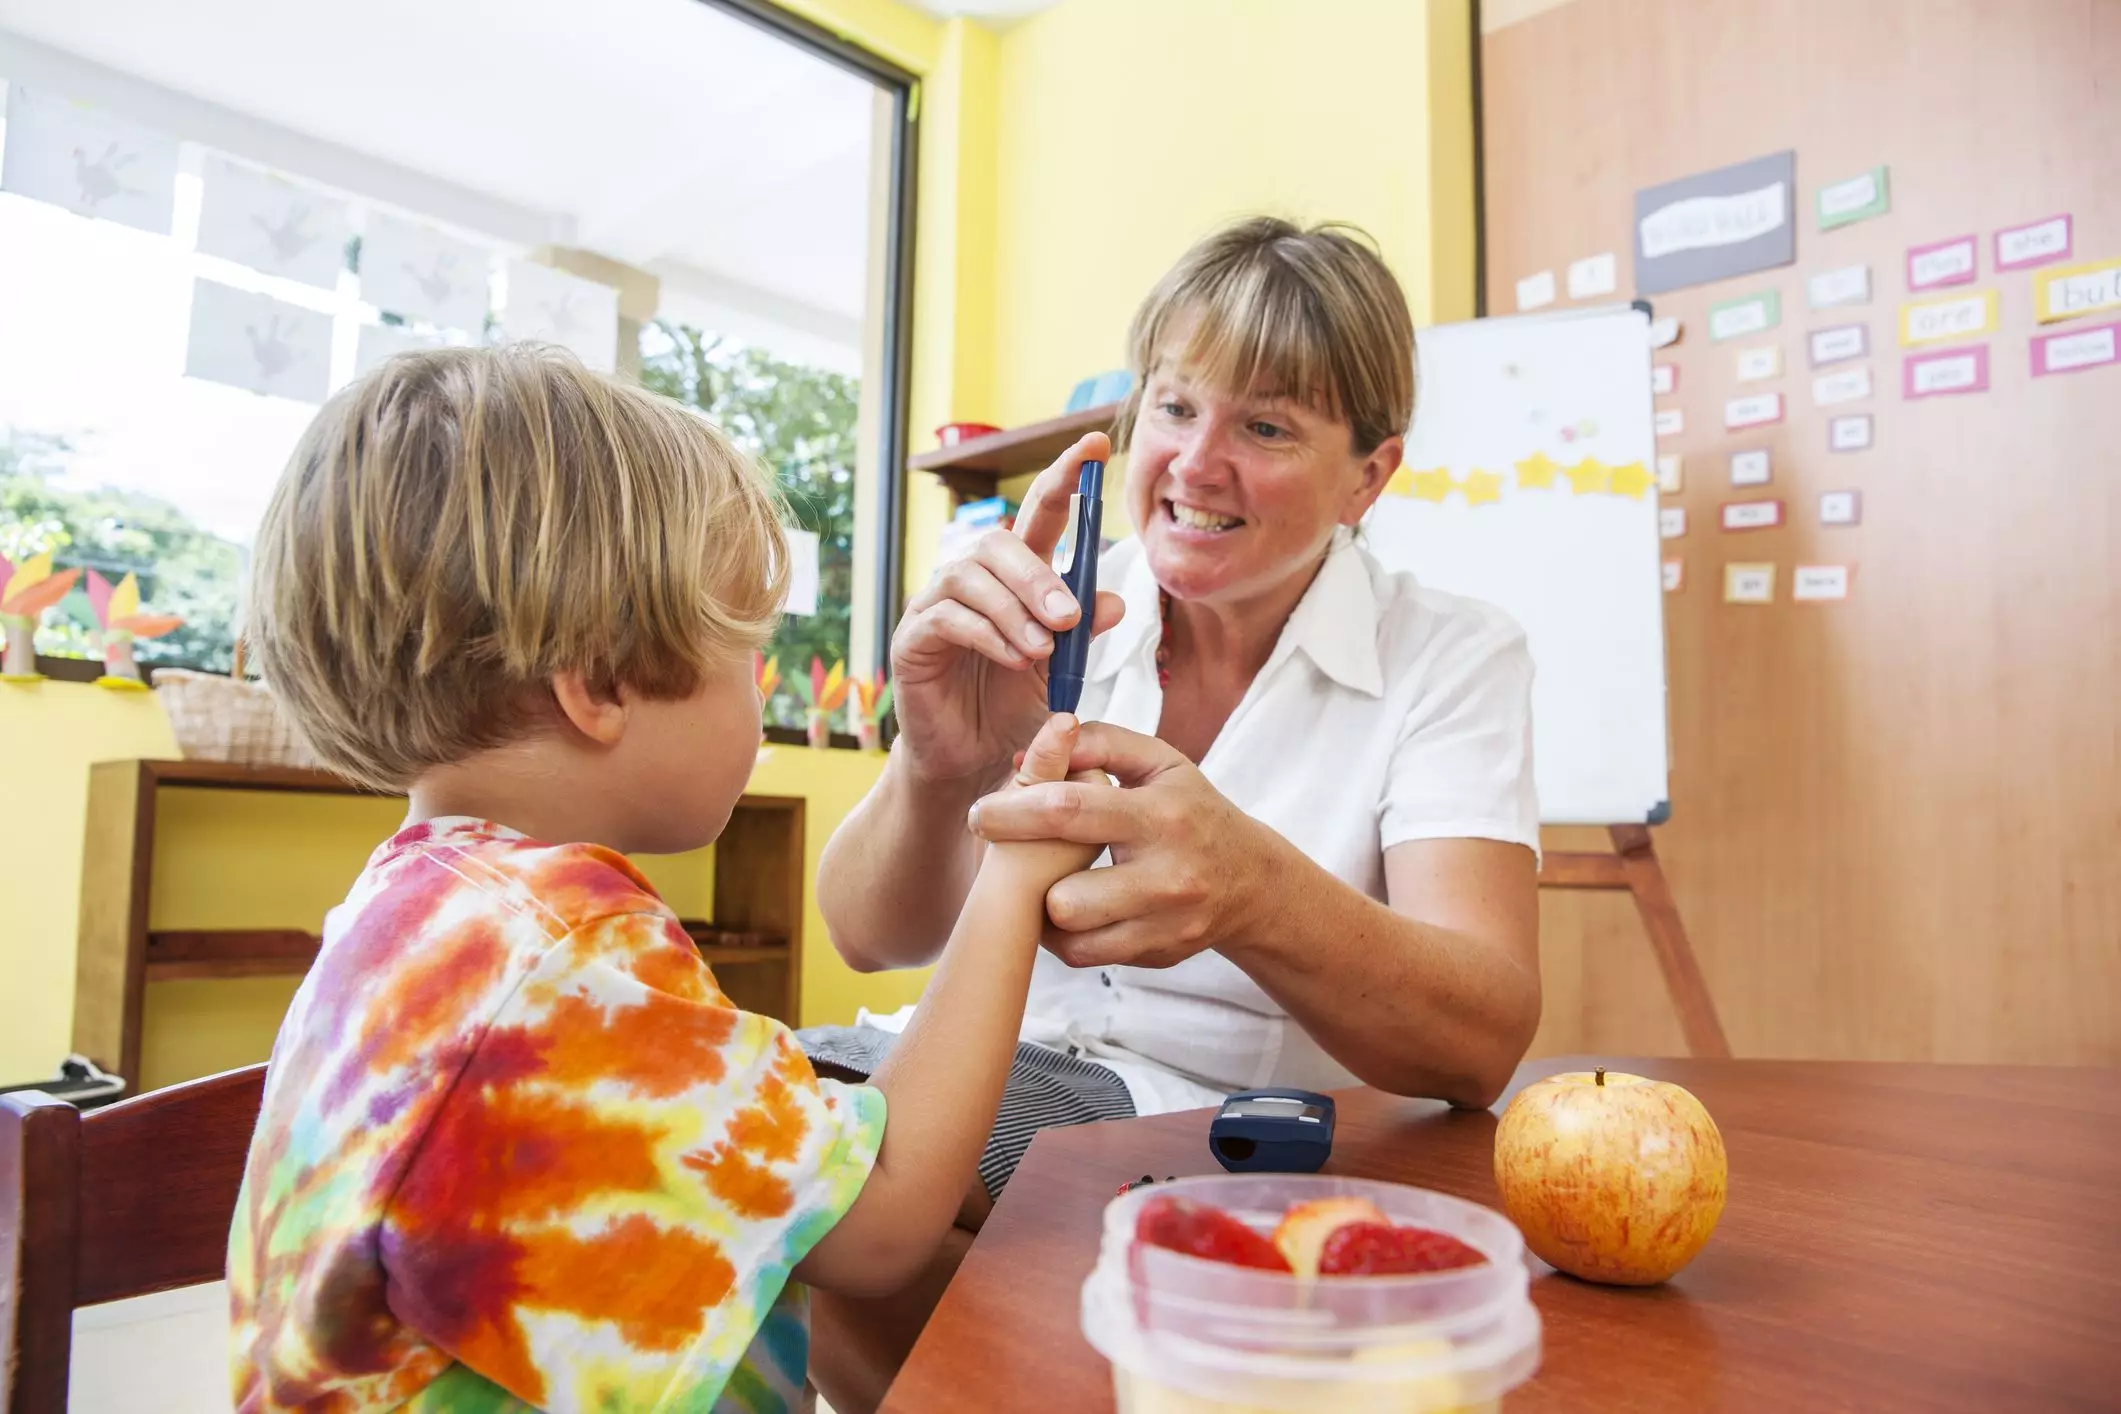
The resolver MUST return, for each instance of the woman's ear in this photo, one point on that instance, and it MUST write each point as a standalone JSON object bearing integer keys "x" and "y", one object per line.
{"x": 1377, "y": 469}
{"x": 600, "y": 716}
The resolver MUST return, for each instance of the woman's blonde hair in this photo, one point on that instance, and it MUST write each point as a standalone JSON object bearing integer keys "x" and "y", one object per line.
{"x": 460, "y": 525}
{"x": 1314, "y": 315}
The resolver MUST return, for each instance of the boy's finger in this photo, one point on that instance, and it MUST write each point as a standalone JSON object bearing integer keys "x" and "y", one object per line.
{"x": 1046, "y": 759}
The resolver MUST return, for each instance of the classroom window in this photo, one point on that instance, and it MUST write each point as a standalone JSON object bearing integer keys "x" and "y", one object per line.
{"x": 713, "y": 201}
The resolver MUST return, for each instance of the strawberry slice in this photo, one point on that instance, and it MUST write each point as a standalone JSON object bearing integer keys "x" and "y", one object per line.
{"x": 1379, "y": 1249}
{"x": 1201, "y": 1231}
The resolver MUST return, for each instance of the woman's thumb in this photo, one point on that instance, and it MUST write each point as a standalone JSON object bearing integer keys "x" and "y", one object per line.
{"x": 1046, "y": 759}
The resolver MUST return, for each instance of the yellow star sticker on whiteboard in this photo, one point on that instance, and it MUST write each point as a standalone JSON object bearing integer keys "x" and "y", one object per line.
{"x": 1433, "y": 485}
{"x": 1482, "y": 487}
{"x": 1589, "y": 476}
{"x": 1402, "y": 482}
{"x": 1630, "y": 481}
{"x": 1536, "y": 472}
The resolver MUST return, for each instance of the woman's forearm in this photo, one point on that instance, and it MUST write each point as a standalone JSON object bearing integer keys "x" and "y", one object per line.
{"x": 893, "y": 877}
{"x": 1410, "y": 1007}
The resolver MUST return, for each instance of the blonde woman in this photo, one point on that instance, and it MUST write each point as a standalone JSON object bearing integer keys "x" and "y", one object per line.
{"x": 1322, "y": 826}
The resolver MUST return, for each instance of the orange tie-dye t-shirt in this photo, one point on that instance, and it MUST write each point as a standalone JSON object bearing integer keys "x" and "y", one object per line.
{"x": 519, "y": 1152}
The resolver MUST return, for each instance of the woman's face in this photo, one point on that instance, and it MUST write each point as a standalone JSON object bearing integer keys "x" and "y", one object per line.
{"x": 1232, "y": 496}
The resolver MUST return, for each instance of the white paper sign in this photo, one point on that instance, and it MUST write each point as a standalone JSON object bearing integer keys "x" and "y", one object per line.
{"x": 1942, "y": 265}
{"x": 1746, "y": 317}
{"x": 1536, "y": 291}
{"x": 1664, "y": 332}
{"x": 1671, "y": 474}
{"x": 2070, "y": 295}
{"x": 1671, "y": 521}
{"x": 1670, "y": 422}
{"x": 1664, "y": 377}
{"x": 1752, "y": 411}
{"x": 422, "y": 273}
{"x": 554, "y": 307}
{"x": 270, "y": 224}
{"x": 1593, "y": 275}
{"x": 1674, "y": 575}
{"x": 1944, "y": 375}
{"x": 1820, "y": 582}
{"x": 1751, "y": 515}
{"x": 802, "y": 572}
{"x": 2031, "y": 245}
{"x": 1703, "y": 221}
{"x": 1749, "y": 584}
{"x": 1763, "y": 362}
{"x": 1851, "y": 195}
{"x": 257, "y": 342}
{"x": 1849, "y": 434}
{"x": 92, "y": 162}
{"x": 1840, "y": 507}
{"x": 1750, "y": 468}
{"x": 1946, "y": 319}
{"x": 1848, "y": 385}
{"x": 377, "y": 342}
{"x": 1844, "y": 342}
{"x": 1851, "y": 284}
{"x": 2067, "y": 351}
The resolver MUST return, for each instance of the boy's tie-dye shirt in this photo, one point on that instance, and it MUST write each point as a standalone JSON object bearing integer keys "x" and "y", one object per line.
{"x": 519, "y": 1152}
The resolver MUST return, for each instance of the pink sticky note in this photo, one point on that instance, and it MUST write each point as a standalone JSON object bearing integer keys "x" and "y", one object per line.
{"x": 2035, "y": 243}
{"x": 1936, "y": 372}
{"x": 2072, "y": 349}
{"x": 1941, "y": 263}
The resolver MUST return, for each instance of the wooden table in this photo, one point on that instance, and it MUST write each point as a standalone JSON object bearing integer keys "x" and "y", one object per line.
{"x": 1898, "y": 1237}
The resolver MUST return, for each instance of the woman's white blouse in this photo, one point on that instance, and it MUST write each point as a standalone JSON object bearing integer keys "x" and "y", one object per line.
{"x": 1387, "y": 713}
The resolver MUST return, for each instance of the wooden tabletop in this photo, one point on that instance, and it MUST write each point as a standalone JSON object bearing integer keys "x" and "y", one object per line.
{"x": 1898, "y": 1237}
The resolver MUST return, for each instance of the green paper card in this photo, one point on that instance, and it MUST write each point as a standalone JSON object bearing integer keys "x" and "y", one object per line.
{"x": 1857, "y": 199}
{"x": 1748, "y": 314}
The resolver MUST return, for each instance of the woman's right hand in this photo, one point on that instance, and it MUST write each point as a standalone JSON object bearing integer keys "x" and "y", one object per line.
{"x": 968, "y": 662}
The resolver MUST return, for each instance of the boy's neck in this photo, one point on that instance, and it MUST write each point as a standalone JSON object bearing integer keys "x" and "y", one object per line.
{"x": 549, "y": 791}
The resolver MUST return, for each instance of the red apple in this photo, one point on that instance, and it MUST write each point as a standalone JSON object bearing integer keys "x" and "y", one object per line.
{"x": 1613, "y": 1178}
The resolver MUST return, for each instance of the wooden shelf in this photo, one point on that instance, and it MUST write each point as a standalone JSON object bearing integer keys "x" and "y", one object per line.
{"x": 194, "y": 954}
{"x": 972, "y": 469}
{"x": 221, "y": 775}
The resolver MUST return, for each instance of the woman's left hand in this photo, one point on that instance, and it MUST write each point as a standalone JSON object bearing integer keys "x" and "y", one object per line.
{"x": 1187, "y": 865}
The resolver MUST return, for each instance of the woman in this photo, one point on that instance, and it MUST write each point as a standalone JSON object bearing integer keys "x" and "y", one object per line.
{"x": 1322, "y": 824}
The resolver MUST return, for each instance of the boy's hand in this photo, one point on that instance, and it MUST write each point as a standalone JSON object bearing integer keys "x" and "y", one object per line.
{"x": 1043, "y": 863}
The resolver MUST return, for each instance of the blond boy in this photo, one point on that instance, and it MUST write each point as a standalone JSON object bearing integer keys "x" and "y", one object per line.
{"x": 518, "y": 1151}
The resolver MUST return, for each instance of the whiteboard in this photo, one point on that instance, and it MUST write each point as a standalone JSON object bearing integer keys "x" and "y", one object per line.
{"x": 1577, "y": 563}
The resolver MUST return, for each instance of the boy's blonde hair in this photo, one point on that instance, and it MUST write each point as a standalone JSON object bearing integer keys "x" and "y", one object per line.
{"x": 462, "y": 524}
{"x": 1314, "y": 315}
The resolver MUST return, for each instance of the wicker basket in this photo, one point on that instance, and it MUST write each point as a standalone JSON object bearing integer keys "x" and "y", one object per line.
{"x": 229, "y": 719}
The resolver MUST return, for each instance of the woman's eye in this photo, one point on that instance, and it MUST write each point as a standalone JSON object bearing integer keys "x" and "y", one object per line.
{"x": 1267, "y": 430}
{"x": 1170, "y": 409}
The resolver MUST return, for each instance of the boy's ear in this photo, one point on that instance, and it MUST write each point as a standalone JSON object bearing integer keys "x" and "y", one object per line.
{"x": 597, "y": 715}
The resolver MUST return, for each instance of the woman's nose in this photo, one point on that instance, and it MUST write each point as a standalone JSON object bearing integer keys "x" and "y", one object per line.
{"x": 1196, "y": 462}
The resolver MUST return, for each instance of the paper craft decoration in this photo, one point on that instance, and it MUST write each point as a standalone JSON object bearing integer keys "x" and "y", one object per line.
{"x": 802, "y": 572}
{"x": 1840, "y": 343}
{"x": 823, "y": 693}
{"x": 1934, "y": 321}
{"x": 1593, "y": 275}
{"x": 1940, "y": 371}
{"x": 1754, "y": 411}
{"x": 1856, "y": 198}
{"x": 1846, "y": 385}
{"x": 414, "y": 270}
{"x": 554, "y": 307}
{"x": 272, "y": 225}
{"x": 1674, "y": 576}
{"x": 26, "y": 591}
{"x": 1751, "y": 515}
{"x": 2040, "y": 243}
{"x": 257, "y": 342}
{"x": 1671, "y": 522}
{"x": 1630, "y": 480}
{"x": 1664, "y": 378}
{"x": 88, "y": 160}
{"x": 766, "y": 672}
{"x": 2070, "y": 290}
{"x": 377, "y": 342}
{"x": 1849, "y": 434}
{"x": 1749, "y": 584}
{"x": 1664, "y": 332}
{"x": 1716, "y": 225}
{"x": 1941, "y": 263}
{"x": 1756, "y": 364}
{"x": 1589, "y": 477}
{"x": 868, "y": 708}
{"x": 1535, "y": 291}
{"x": 1840, "y": 507}
{"x": 1670, "y": 422}
{"x": 1536, "y": 472}
{"x": 1818, "y": 582}
{"x": 1748, "y": 314}
{"x": 122, "y": 621}
{"x": 1751, "y": 467}
{"x": 2076, "y": 349}
{"x": 1671, "y": 474}
{"x": 1851, "y": 284}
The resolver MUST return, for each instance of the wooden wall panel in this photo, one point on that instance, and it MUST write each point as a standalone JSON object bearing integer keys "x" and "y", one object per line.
{"x": 1897, "y": 820}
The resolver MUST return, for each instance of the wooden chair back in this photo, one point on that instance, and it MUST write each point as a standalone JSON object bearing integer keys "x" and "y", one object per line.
{"x": 109, "y": 1204}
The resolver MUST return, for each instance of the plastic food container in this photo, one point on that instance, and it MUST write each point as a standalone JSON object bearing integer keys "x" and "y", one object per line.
{"x": 1189, "y": 1336}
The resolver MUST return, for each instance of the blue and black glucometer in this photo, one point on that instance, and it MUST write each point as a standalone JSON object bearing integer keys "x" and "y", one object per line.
{"x": 1273, "y": 1131}
{"x": 1071, "y": 647}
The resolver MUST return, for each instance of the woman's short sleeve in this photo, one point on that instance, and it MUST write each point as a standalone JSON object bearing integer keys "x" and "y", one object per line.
{"x": 1462, "y": 766}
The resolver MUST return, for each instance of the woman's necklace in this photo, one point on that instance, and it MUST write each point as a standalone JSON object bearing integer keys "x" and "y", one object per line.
{"x": 1163, "y": 642}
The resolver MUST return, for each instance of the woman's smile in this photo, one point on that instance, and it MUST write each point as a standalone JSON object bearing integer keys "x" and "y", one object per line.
{"x": 1192, "y": 520}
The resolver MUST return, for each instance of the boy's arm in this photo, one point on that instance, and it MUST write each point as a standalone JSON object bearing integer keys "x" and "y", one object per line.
{"x": 943, "y": 1081}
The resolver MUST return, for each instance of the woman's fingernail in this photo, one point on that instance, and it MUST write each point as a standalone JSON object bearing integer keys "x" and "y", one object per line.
{"x": 972, "y": 820}
{"x": 1060, "y": 603}
{"x": 1037, "y": 637}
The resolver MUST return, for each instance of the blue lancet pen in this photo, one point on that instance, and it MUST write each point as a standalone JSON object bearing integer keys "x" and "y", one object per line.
{"x": 1071, "y": 648}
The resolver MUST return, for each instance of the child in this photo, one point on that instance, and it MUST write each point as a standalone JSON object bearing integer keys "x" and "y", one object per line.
{"x": 517, "y": 1149}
